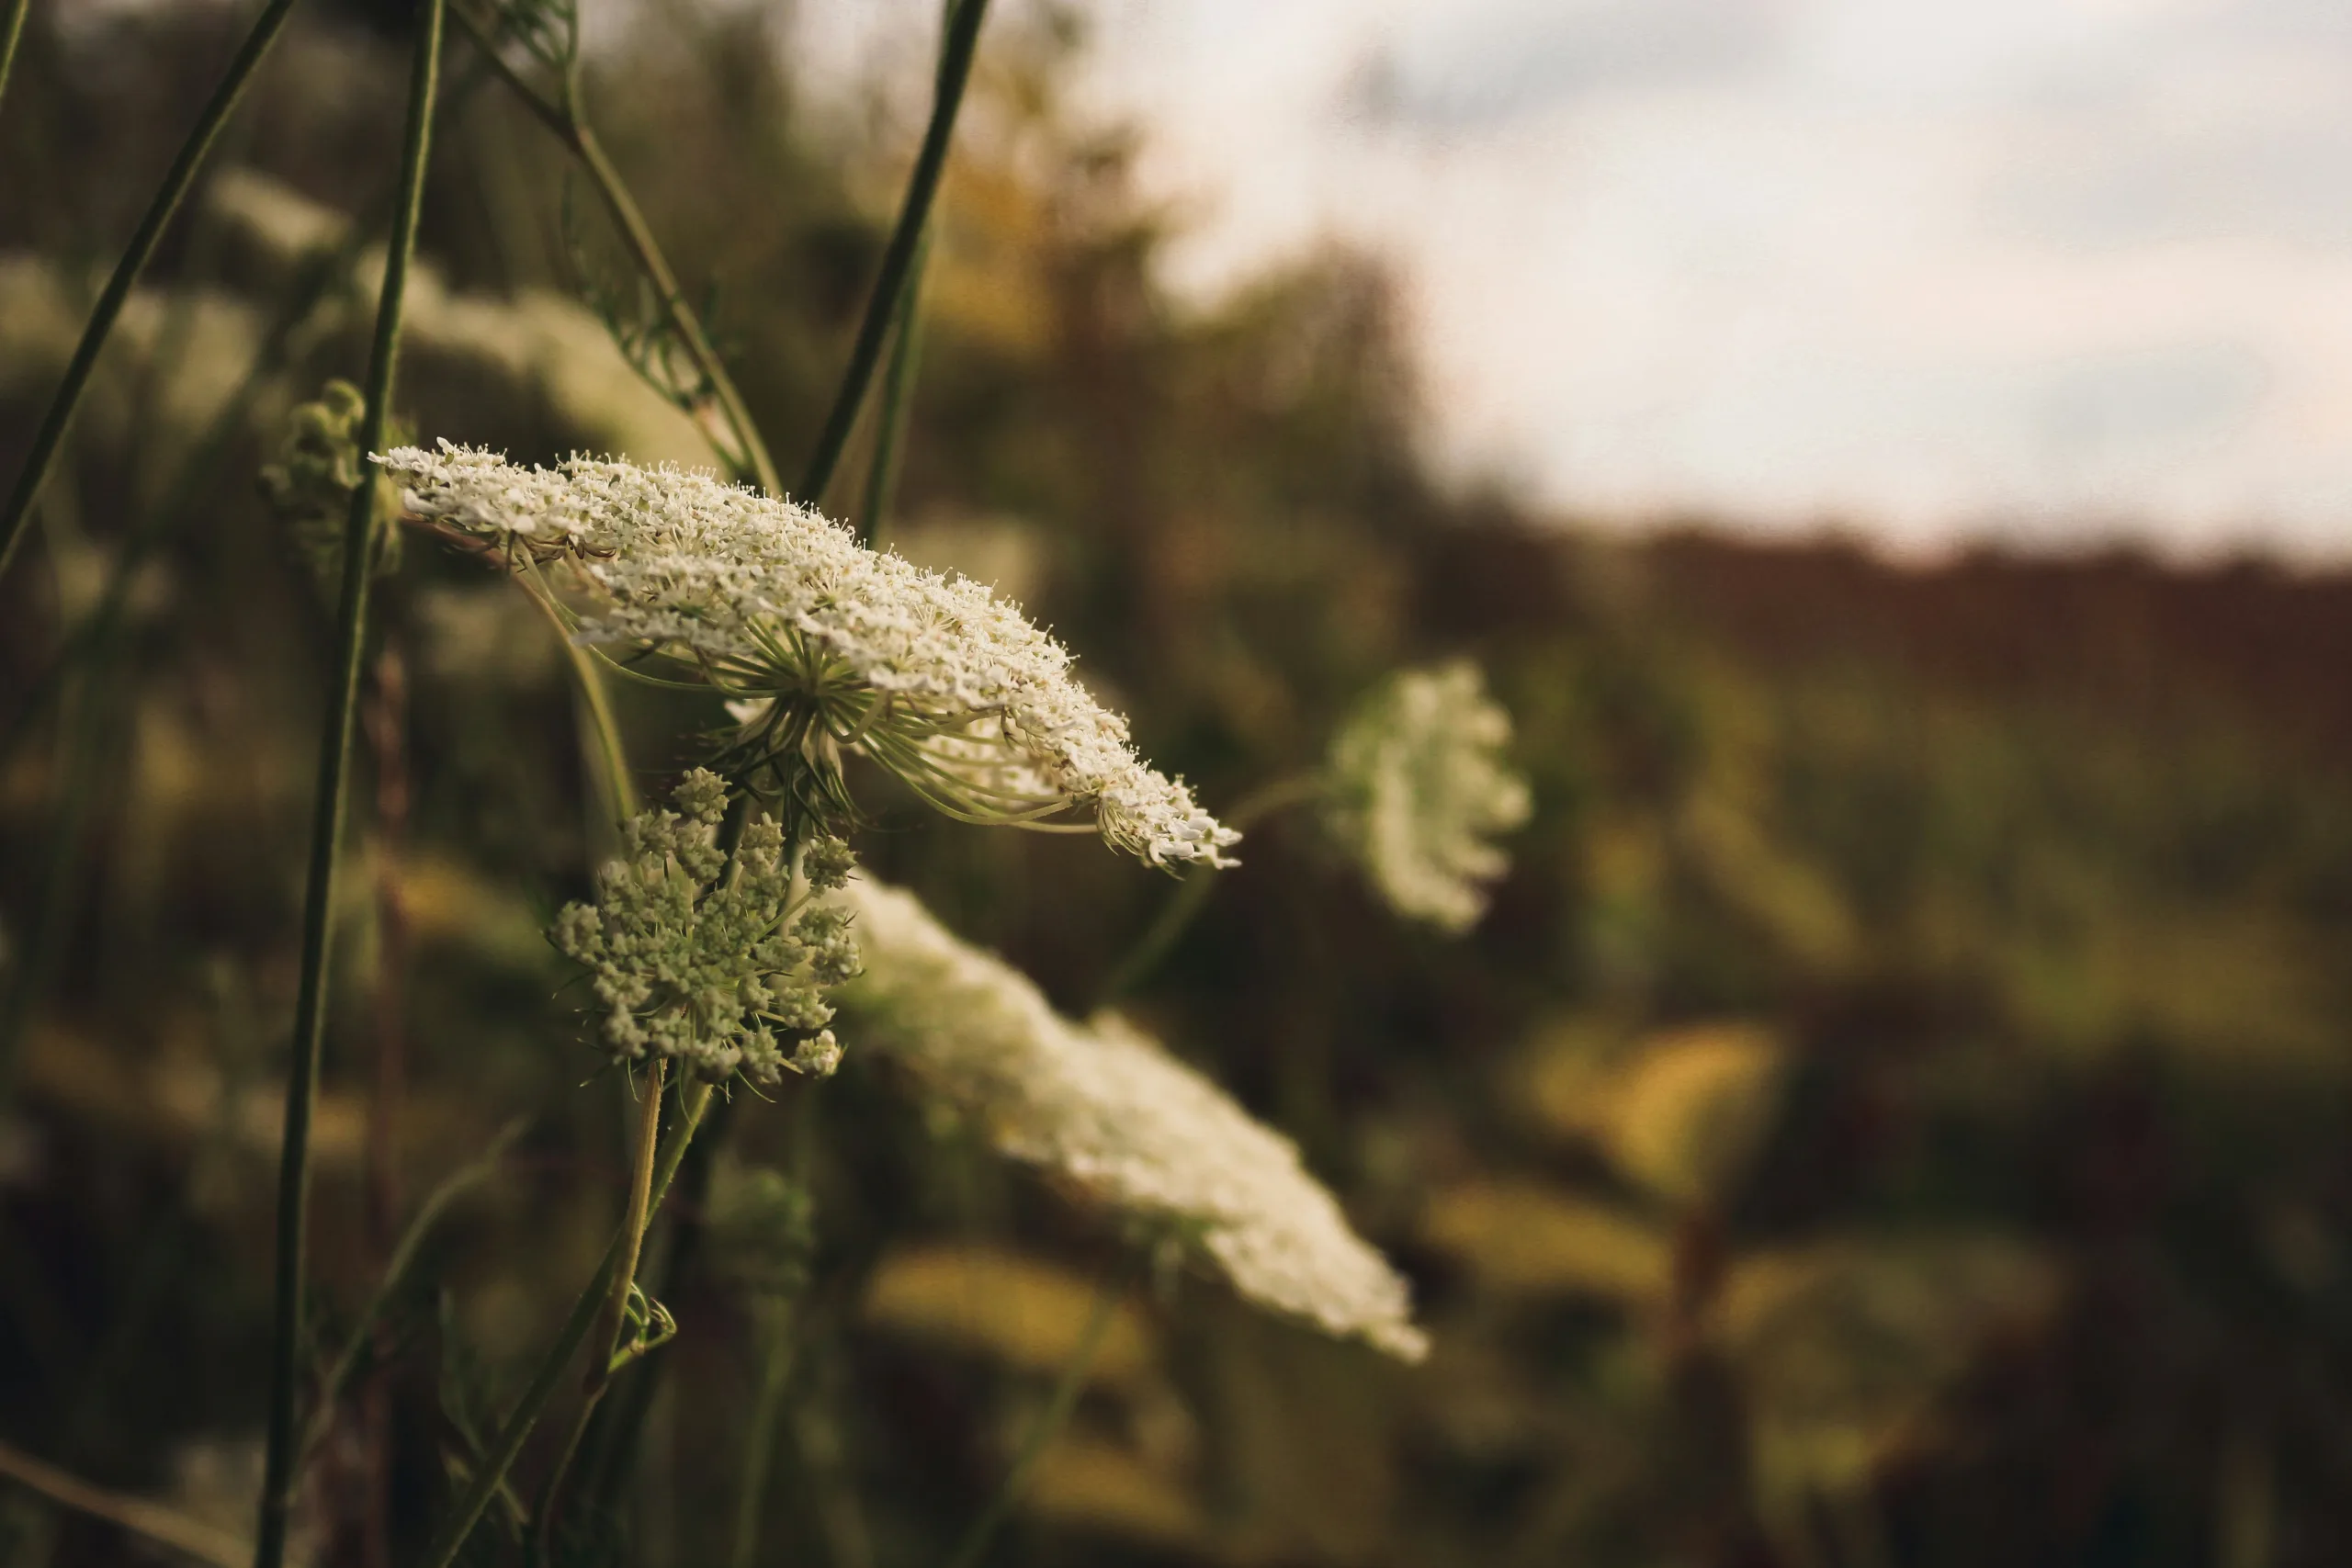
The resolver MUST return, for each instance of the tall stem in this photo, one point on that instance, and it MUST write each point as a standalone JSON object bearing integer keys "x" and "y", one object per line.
{"x": 618, "y": 785}
{"x": 327, "y": 810}
{"x": 897, "y": 398}
{"x": 639, "y": 237}
{"x": 194, "y": 482}
{"x": 610, "y": 1448}
{"x": 566, "y": 122}
{"x": 12, "y": 32}
{"x": 167, "y": 201}
{"x": 956, "y": 50}
{"x": 604, "y": 1338}
{"x": 492, "y": 1474}
{"x": 615, "y": 1439}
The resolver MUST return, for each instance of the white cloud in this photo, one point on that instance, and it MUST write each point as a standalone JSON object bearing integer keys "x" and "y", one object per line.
{"x": 2040, "y": 267}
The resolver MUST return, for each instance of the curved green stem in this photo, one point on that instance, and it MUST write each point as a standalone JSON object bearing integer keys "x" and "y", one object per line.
{"x": 956, "y": 52}
{"x": 610, "y": 1446}
{"x": 1192, "y": 894}
{"x": 322, "y": 272}
{"x": 619, "y": 784}
{"x": 508, "y": 1444}
{"x": 639, "y": 237}
{"x": 167, "y": 201}
{"x": 1044, "y": 1430}
{"x": 566, "y": 122}
{"x": 327, "y": 810}
{"x": 604, "y": 1339}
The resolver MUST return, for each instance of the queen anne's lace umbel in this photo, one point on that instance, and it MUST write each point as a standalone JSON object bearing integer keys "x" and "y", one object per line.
{"x": 1104, "y": 1106}
{"x": 934, "y": 677}
{"x": 719, "y": 974}
{"x": 1420, "y": 784}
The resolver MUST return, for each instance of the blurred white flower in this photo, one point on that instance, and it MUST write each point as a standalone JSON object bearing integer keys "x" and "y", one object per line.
{"x": 1102, "y": 1105}
{"x": 934, "y": 678}
{"x": 1418, "y": 785}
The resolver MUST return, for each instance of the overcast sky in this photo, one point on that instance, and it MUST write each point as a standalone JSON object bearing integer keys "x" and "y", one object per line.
{"x": 1934, "y": 269}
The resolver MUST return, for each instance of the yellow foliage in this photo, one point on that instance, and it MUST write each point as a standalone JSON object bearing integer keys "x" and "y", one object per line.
{"x": 447, "y": 903}
{"x": 1527, "y": 1237}
{"x": 988, "y": 273}
{"x": 1097, "y": 1485}
{"x": 1026, "y": 1311}
{"x": 1681, "y": 1111}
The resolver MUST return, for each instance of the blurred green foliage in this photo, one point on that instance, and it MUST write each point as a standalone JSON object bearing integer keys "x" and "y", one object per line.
{"x": 1894, "y": 1114}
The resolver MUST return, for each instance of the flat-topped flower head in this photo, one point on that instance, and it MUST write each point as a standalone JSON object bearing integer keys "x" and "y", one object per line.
{"x": 1419, "y": 784}
{"x": 827, "y": 644}
{"x": 1102, "y": 1106}
{"x": 720, "y": 975}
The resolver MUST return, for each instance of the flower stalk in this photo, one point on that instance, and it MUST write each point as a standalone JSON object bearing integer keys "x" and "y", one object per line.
{"x": 899, "y": 256}
{"x": 614, "y": 781}
{"x": 503, "y": 1449}
{"x": 897, "y": 398}
{"x": 160, "y": 209}
{"x": 12, "y": 33}
{"x": 603, "y": 1341}
{"x": 95, "y": 634}
{"x": 328, "y": 810}
{"x": 565, "y": 117}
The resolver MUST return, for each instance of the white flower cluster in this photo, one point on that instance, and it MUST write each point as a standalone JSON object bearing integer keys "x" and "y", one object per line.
{"x": 933, "y": 677}
{"x": 703, "y": 969}
{"x": 1104, "y": 1106}
{"x": 1419, "y": 784}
